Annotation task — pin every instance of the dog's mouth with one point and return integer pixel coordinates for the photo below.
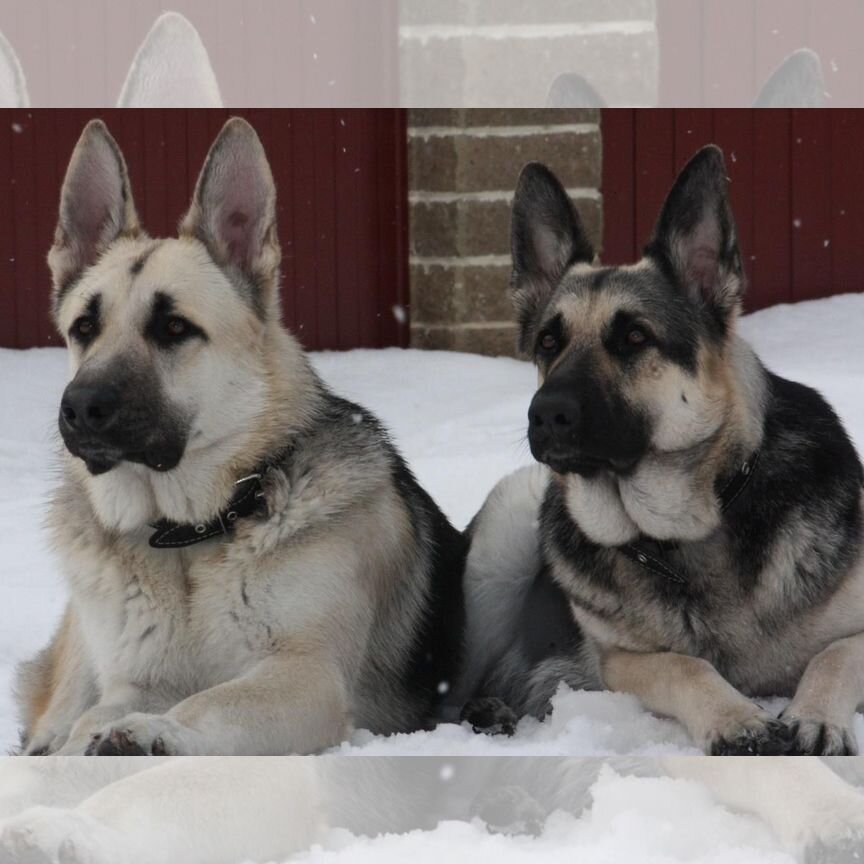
(584, 464)
(100, 458)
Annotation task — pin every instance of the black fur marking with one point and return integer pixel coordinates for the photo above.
(436, 656)
(92, 319)
(577, 424)
(162, 318)
(138, 264)
(807, 464)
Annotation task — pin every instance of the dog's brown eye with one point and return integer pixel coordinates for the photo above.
(177, 327)
(84, 329)
(636, 337)
(548, 343)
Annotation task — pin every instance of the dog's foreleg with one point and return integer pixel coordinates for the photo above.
(805, 803)
(55, 688)
(719, 718)
(823, 710)
(289, 703)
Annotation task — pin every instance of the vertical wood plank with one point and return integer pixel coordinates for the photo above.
(694, 128)
(811, 203)
(654, 168)
(847, 195)
(306, 282)
(31, 300)
(618, 127)
(393, 288)
(8, 268)
(770, 264)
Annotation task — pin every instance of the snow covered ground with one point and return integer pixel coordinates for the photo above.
(460, 421)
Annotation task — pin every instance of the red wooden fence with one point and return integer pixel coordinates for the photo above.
(797, 190)
(342, 204)
(720, 52)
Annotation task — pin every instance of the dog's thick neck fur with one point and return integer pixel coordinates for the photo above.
(131, 497)
(672, 495)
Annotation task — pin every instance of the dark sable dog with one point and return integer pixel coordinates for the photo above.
(702, 518)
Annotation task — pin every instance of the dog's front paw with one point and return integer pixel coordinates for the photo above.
(142, 735)
(44, 835)
(757, 735)
(819, 737)
(490, 716)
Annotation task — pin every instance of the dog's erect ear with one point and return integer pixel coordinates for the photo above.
(96, 207)
(13, 87)
(233, 213)
(695, 237)
(171, 69)
(572, 90)
(796, 83)
(546, 237)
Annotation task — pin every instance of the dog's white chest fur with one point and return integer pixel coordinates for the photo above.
(156, 619)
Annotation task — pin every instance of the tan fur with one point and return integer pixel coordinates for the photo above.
(302, 625)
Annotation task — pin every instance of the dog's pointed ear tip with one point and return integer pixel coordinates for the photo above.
(712, 156)
(708, 162)
(173, 23)
(97, 131)
(97, 126)
(535, 176)
(534, 169)
(239, 129)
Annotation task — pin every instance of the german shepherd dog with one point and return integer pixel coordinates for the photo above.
(700, 518)
(252, 567)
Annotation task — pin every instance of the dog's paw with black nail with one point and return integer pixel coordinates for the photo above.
(141, 735)
(490, 715)
(758, 736)
(819, 737)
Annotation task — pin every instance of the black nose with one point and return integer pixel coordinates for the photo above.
(89, 409)
(555, 412)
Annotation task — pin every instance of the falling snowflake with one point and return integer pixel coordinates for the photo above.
(446, 773)
(400, 313)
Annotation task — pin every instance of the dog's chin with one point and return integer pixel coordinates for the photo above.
(585, 465)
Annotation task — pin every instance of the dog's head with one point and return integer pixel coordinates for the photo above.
(631, 359)
(165, 336)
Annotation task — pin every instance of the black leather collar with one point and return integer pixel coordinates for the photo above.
(649, 553)
(247, 500)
